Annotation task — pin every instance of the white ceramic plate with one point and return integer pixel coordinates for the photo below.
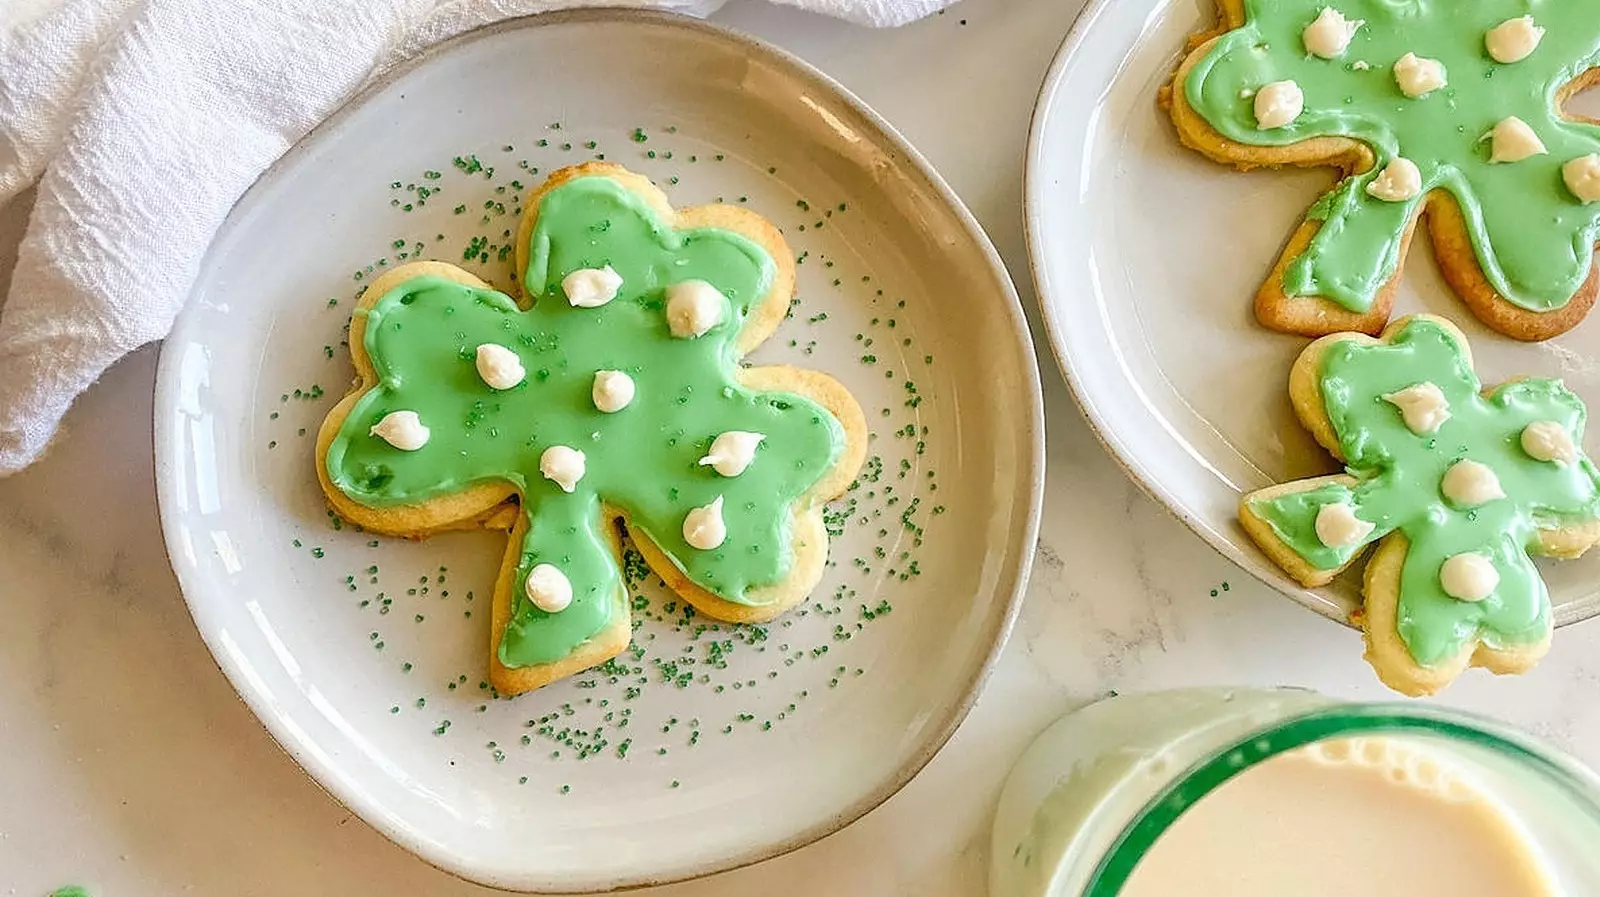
(1147, 256)
(703, 748)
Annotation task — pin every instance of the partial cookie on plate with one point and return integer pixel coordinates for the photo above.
(1457, 485)
(1448, 114)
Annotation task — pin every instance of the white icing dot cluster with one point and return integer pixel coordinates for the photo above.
(1328, 36)
(1466, 484)
(693, 308)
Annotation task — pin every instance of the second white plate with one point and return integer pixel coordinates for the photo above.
(1147, 256)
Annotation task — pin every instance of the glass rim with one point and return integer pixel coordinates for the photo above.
(1320, 724)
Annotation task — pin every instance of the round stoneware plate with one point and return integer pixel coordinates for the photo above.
(1147, 257)
(705, 745)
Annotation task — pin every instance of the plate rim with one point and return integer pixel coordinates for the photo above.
(1017, 550)
(1321, 601)
(1056, 328)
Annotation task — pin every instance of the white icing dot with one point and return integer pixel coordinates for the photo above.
(1469, 484)
(1361, 65)
(1419, 76)
(499, 367)
(401, 429)
(1468, 577)
(1339, 527)
(612, 391)
(548, 588)
(732, 452)
(1397, 182)
(694, 307)
(591, 287)
(1278, 104)
(1582, 176)
(1513, 40)
(1422, 406)
(1329, 34)
(562, 465)
(703, 527)
(1512, 141)
(1546, 440)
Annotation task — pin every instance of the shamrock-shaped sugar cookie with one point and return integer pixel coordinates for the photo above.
(1448, 111)
(1457, 486)
(613, 393)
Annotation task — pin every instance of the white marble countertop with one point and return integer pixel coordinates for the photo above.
(131, 767)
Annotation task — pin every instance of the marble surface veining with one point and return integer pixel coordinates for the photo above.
(130, 765)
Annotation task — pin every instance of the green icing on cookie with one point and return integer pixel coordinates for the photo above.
(1532, 237)
(1399, 474)
(1293, 517)
(422, 338)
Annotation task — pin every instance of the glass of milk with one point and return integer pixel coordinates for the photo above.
(1257, 792)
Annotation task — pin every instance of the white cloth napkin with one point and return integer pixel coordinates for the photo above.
(143, 121)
